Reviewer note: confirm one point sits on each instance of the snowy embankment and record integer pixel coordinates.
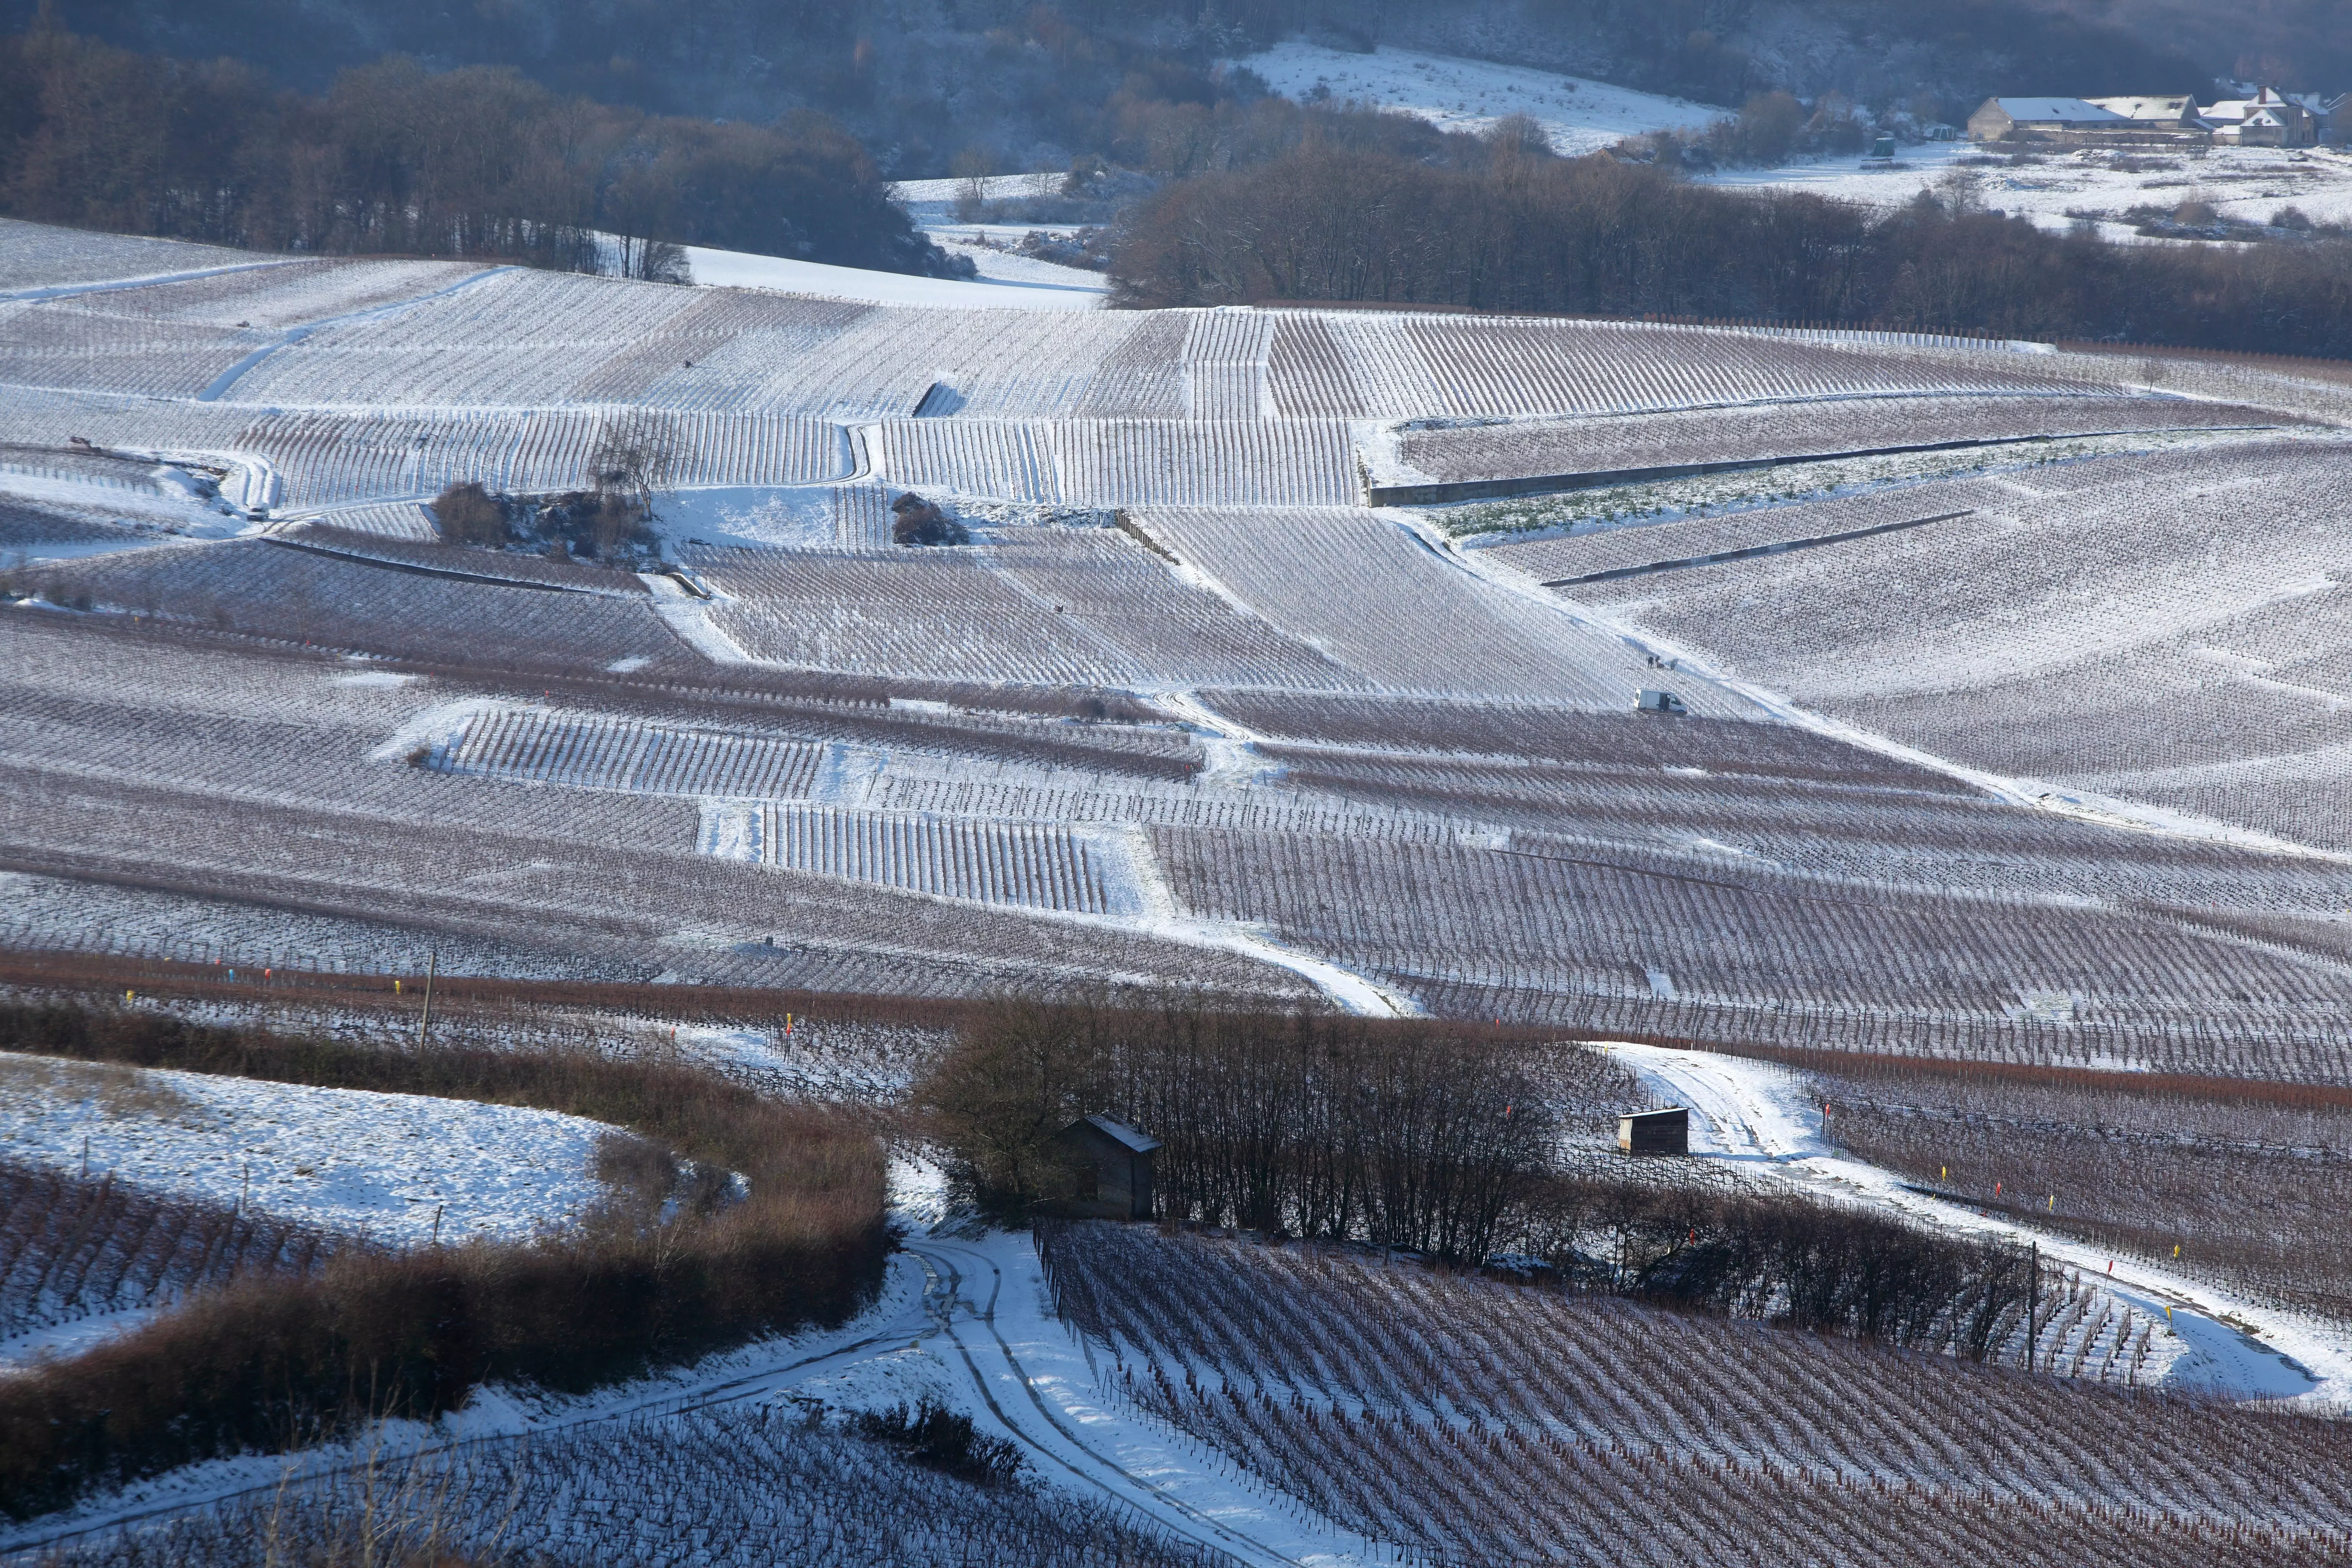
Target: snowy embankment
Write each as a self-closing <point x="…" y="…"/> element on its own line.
<point x="1027" y="291"/>
<point x="392" y="1166"/>
<point x="1456" y="94"/>
<point x="1760" y="1117"/>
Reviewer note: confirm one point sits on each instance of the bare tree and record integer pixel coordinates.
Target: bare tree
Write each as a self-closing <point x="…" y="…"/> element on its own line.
<point x="636" y="455"/>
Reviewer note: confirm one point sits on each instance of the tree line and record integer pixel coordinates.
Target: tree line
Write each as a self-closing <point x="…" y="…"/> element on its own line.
<point x="1500" y="224"/>
<point x="1439" y="1139"/>
<point x="396" y="158"/>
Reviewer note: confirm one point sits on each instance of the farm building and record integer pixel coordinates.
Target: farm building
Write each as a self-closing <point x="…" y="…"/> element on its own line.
<point x="2269" y="118"/>
<point x="2175" y="112"/>
<point x="1664" y="1132"/>
<point x="1119" y="1159"/>
<point x="2331" y="116"/>
<point x="2041" y="119"/>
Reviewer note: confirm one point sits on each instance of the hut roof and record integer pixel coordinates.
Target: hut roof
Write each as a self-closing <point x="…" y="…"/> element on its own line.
<point x="2057" y="111"/>
<point x="1117" y="1131"/>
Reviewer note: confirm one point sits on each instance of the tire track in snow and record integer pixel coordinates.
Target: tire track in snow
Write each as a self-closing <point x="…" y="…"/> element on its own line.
<point x="1238" y="1523"/>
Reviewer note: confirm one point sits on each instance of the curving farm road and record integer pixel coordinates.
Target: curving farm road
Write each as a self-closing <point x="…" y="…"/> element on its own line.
<point x="1759" y="1116"/>
<point x="1038" y="1384"/>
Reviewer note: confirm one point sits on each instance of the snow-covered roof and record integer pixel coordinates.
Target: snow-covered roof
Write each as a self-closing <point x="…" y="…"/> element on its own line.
<point x="2168" y="109"/>
<point x="2069" y="110"/>
<point x="1118" y="1133"/>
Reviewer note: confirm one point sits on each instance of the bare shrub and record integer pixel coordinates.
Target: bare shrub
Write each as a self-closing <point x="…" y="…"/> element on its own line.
<point x="914" y="520"/>
<point x="1413" y="1135"/>
<point x="468" y="513"/>
<point x="943" y="1439"/>
<point x="636" y="455"/>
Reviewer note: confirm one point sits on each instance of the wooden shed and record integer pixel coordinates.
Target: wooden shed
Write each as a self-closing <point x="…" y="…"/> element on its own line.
<point x="1664" y="1132"/>
<point x="1121" y="1159"/>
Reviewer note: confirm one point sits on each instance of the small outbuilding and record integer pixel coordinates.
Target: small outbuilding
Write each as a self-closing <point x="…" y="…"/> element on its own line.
<point x="1119" y="1160"/>
<point x="1664" y="1132"/>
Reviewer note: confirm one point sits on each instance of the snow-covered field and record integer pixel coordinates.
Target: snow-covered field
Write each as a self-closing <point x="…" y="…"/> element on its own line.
<point x="2251" y="184"/>
<point x="1005" y="283"/>
<point x="1458" y="94"/>
<point x="394" y="1167"/>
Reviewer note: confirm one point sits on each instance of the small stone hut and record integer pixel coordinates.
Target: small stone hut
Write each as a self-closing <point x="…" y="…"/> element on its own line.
<point x="1121" y="1159"/>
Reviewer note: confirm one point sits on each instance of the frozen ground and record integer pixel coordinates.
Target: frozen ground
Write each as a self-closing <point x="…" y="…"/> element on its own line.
<point x="1458" y="94"/>
<point x="985" y="243"/>
<point x="1760" y="1117"/>
<point x="738" y="269"/>
<point x="2251" y="183"/>
<point x="966" y="1321"/>
<point x="347" y="1160"/>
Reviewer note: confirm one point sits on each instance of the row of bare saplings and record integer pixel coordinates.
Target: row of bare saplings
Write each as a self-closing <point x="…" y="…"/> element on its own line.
<point x="1438" y="1139"/>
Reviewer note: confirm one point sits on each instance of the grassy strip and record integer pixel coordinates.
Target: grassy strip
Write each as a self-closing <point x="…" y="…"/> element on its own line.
<point x="267" y="1363"/>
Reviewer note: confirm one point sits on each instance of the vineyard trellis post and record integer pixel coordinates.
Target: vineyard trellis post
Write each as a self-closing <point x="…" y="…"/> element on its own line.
<point x="431" y="963"/>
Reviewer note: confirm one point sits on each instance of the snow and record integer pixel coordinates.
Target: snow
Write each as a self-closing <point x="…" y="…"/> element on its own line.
<point x="983" y="243"/>
<point x="968" y="1322"/>
<point x="771" y="517"/>
<point x="61" y="1341"/>
<point x="2251" y="183"/>
<point x="1758" y="1115"/>
<point x="162" y="503"/>
<point x="1036" y="1382"/>
<point x="931" y="199"/>
<point x="1455" y="94"/>
<point x="347" y="1159"/>
<point x="738" y="269"/>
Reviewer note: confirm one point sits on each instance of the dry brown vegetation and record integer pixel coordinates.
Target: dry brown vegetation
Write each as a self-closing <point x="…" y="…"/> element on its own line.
<point x="263" y="1363"/>
<point x="1413" y="1135"/>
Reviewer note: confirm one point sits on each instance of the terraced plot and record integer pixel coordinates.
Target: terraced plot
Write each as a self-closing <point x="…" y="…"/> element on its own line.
<point x="2163" y="628"/>
<point x="1536" y="447"/>
<point x="593" y="752"/>
<point x="1382" y="602"/>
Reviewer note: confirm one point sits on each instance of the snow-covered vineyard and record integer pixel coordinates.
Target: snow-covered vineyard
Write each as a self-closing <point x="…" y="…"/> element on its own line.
<point x="1184" y="699"/>
<point x="1293" y="656"/>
